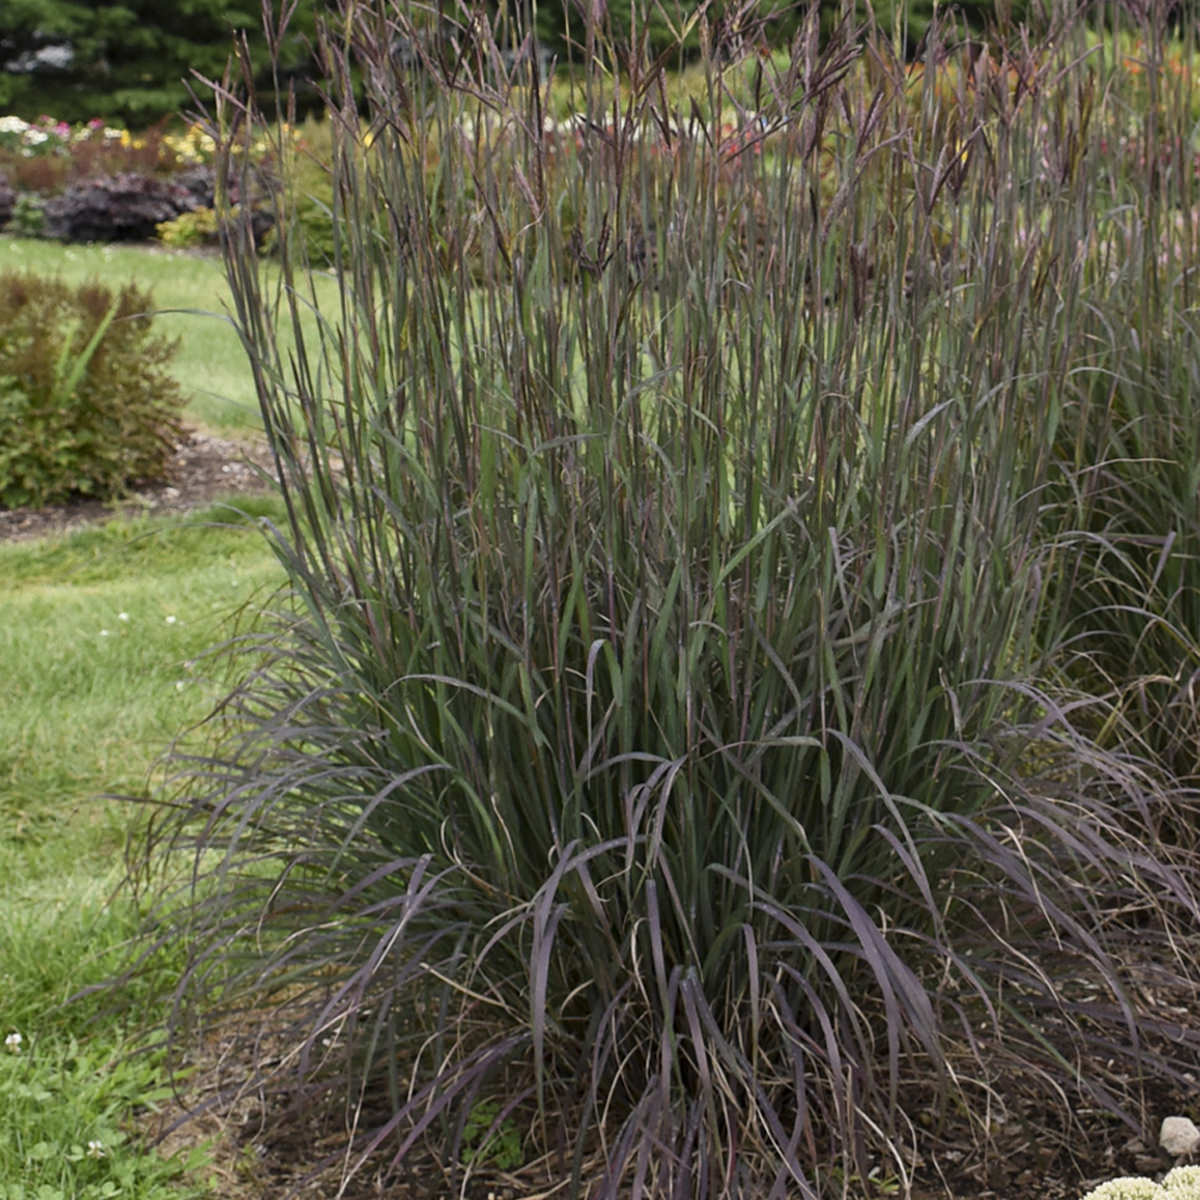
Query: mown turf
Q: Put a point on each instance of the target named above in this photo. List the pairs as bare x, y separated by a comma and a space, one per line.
102, 653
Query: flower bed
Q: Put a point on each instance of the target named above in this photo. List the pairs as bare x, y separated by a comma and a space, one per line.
50, 169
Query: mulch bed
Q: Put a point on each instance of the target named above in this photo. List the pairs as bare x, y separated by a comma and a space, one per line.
302, 1155
203, 469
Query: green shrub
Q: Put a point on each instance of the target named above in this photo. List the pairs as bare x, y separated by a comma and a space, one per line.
28, 216
191, 229
86, 404
308, 205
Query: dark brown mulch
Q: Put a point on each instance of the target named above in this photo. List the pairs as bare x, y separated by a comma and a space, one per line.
203, 469
263, 1154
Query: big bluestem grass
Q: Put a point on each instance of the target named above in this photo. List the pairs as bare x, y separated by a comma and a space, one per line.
669, 738
1131, 435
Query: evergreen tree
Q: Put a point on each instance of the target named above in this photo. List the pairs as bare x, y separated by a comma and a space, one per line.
130, 61
771, 20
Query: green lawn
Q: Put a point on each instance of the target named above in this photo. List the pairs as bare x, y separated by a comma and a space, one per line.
103, 655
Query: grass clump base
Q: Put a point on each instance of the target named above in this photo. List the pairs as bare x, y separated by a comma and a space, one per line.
676, 742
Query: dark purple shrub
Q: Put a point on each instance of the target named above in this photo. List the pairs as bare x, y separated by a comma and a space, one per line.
116, 208
200, 183
8, 198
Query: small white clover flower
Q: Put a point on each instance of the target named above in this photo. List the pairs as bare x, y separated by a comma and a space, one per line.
122, 616
104, 633
95, 1149
12, 1043
1128, 1187
172, 619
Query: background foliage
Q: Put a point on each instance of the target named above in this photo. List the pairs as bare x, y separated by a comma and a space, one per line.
131, 61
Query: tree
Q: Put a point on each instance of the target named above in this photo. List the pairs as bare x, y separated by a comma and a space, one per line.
773, 21
131, 61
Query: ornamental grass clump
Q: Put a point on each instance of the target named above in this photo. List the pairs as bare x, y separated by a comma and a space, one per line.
664, 742
1131, 434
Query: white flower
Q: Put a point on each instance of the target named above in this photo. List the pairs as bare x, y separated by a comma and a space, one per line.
122, 616
13, 125
1183, 1183
95, 1149
35, 137
12, 1043
172, 619
1128, 1187
104, 633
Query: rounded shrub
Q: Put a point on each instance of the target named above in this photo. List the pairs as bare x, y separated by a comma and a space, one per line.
87, 406
28, 217
189, 230
117, 208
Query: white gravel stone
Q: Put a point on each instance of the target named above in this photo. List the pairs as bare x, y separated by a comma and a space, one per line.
1179, 1137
